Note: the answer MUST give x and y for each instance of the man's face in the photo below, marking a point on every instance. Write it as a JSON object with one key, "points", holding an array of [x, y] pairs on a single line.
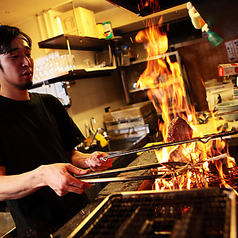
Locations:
{"points": [[17, 65]]}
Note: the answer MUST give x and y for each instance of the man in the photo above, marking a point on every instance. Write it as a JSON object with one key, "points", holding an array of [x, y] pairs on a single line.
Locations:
{"points": [[37, 141]]}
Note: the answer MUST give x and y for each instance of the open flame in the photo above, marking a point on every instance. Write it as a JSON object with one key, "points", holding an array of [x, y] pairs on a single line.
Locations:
{"points": [[163, 78], [165, 88]]}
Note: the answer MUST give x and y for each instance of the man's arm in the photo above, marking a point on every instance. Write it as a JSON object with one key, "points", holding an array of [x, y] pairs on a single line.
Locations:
{"points": [[17, 186], [56, 176]]}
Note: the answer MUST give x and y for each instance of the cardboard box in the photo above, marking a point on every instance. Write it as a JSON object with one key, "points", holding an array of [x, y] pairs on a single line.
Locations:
{"points": [[108, 32], [131, 132], [79, 21], [228, 69], [130, 116]]}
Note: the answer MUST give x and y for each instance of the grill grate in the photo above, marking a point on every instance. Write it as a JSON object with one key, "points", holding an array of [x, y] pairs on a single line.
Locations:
{"points": [[190, 213]]}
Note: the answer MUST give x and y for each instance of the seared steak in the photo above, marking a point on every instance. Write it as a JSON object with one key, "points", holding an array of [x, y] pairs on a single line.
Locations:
{"points": [[179, 130]]}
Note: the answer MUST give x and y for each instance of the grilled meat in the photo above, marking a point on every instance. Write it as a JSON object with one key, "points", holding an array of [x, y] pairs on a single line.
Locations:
{"points": [[179, 130]]}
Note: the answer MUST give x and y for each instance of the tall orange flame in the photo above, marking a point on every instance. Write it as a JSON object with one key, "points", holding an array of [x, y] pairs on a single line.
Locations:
{"points": [[165, 88], [162, 77]]}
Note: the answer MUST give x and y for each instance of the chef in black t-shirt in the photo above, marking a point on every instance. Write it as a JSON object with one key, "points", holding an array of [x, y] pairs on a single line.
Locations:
{"points": [[37, 141]]}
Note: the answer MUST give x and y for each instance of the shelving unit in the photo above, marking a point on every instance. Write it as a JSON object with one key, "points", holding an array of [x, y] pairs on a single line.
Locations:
{"points": [[73, 42]]}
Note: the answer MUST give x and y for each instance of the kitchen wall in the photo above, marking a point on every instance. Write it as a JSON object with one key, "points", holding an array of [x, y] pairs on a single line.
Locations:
{"points": [[89, 96]]}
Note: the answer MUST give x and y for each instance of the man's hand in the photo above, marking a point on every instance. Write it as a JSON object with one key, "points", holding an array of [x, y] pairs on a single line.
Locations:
{"points": [[94, 162], [59, 178]]}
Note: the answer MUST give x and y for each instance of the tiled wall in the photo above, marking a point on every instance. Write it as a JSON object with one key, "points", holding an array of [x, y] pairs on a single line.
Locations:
{"points": [[201, 61]]}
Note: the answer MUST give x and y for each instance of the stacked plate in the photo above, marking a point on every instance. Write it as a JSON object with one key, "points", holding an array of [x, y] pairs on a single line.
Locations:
{"points": [[235, 95], [230, 108]]}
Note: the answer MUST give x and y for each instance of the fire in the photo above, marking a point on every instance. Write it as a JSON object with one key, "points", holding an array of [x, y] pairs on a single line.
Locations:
{"points": [[165, 88], [162, 77]]}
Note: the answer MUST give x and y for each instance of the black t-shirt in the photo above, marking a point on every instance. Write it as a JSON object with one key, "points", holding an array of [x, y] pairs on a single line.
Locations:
{"points": [[32, 133]]}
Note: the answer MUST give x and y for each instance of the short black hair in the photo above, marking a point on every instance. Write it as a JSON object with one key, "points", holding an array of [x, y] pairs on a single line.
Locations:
{"points": [[7, 34]]}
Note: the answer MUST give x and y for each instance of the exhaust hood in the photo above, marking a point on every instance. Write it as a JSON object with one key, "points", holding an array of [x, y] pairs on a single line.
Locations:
{"points": [[220, 15], [147, 7]]}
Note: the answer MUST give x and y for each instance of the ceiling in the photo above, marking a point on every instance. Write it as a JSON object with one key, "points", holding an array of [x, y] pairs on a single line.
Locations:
{"points": [[220, 14], [15, 11]]}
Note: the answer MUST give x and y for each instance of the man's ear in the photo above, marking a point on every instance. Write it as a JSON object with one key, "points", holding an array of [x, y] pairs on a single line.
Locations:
{"points": [[1, 67]]}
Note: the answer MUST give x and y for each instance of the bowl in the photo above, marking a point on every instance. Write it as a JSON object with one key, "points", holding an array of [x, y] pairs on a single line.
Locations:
{"points": [[227, 107]]}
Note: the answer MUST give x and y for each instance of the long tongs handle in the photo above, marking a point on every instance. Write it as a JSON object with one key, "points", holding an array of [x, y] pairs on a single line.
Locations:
{"points": [[203, 139], [115, 171]]}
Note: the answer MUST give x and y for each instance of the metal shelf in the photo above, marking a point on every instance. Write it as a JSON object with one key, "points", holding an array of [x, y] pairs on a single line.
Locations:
{"points": [[76, 43], [75, 74]]}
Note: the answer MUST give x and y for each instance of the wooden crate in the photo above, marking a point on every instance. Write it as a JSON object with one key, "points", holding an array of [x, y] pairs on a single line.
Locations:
{"points": [[130, 116]]}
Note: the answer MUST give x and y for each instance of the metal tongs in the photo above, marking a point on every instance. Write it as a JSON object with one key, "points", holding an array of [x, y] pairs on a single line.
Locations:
{"points": [[204, 140], [99, 177]]}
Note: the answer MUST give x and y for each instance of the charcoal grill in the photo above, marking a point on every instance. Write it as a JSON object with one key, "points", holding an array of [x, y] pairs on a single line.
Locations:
{"points": [[209, 212]]}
